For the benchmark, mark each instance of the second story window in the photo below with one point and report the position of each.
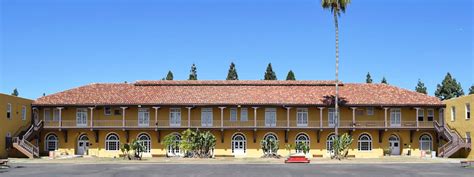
(23, 113)
(244, 114)
(302, 116)
(143, 117)
(175, 116)
(453, 113)
(233, 114)
(47, 114)
(9, 111)
(468, 111)
(430, 114)
(370, 111)
(421, 114)
(56, 114)
(107, 111)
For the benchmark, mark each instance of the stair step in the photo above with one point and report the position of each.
(297, 159)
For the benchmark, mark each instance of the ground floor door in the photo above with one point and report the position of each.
(394, 144)
(239, 145)
(82, 145)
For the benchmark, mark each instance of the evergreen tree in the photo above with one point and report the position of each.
(193, 73)
(420, 87)
(15, 92)
(368, 78)
(290, 76)
(449, 88)
(169, 76)
(270, 74)
(232, 74)
(384, 81)
(471, 90)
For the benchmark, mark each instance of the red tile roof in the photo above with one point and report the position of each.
(314, 93)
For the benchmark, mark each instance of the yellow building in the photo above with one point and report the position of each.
(97, 119)
(15, 117)
(458, 118)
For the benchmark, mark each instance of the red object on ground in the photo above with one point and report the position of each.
(297, 159)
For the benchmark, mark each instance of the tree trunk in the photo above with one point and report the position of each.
(336, 125)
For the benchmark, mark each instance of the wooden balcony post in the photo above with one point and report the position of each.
(288, 117)
(60, 116)
(385, 121)
(189, 116)
(123, 116)
(255, 116)
(156, 115)
(321, 117)
(417, 123)
(222, 116)
(353, 116)
(92, 116)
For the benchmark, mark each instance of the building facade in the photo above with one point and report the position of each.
(97, 119)
(15, 116)
(458, 117)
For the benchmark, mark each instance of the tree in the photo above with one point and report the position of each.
(232, 74)
(269, 73)
(290, 76)
(340, 146)
(471, 90)
(420, 87)
(336, 7)
(193, 73)
(384, 81)
(269, 147)
(169, 76)
(15, 92)
(368, 78)
(449, 88)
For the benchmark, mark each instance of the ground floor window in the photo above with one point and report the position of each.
(112, 142)
(301, 138)
(329, 143)
(365, 143)
(145, 140)
(425, 143)
(51, 142)
(174, 149)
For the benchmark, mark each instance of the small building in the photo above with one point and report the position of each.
(458, 118)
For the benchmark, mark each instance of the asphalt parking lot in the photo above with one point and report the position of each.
(235, 170)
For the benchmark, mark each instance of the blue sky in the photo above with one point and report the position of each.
(51, 46)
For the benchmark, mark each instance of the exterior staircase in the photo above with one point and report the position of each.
(297, 159)
(454, 141)
(23, 144)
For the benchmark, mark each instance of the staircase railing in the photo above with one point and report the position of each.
(32, 149)
(455, 140)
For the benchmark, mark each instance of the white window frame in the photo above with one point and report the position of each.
(329, 143)
(146, 142)
(9, 111)
(244, 114)
(370, 111)
(107, 111)
(55, 114)
(233, 114)
(422, 141)
(175, 151)
(270, 117)
(207, 117)
(81, 113)
(306, 140)
(23, 112)
(143, 117)
(453, 113)
(361, 142)
(175, 117)
(468, 137)
(421, 113)
(331, 117)
(112, 145)
(47, 114)
(48, 143)
(468, 111)
(235, 141)
(394, 112)
(302, 117)
(430, 113)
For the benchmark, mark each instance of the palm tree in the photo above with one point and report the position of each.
(336, 7)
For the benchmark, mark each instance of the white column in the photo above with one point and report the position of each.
(386, 123)
(255, 116)
(92, 116)
(156, 115)
(417, 116)
(353, 116)
(189, 116)
(222, 116)
(123, 116)
(288, 116)
(321, 117)
(60, 116)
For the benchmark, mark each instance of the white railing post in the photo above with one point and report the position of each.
(156, 115)
(417, 123)
(189, 116)
(222, 116)
(385, 121)
(123, 116)
(255, 116)
(92, 116)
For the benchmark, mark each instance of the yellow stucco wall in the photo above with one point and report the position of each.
(14, 124)
(460, 122)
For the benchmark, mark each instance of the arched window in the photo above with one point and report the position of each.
(174, 149)
(329, 143)
(239, 144)
(365, 142)
(270, 136)
(145, 140)
(51, 142)
(425, 142)
(112, 142)
(301, 138)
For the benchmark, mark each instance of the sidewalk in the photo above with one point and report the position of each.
(230, 160)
